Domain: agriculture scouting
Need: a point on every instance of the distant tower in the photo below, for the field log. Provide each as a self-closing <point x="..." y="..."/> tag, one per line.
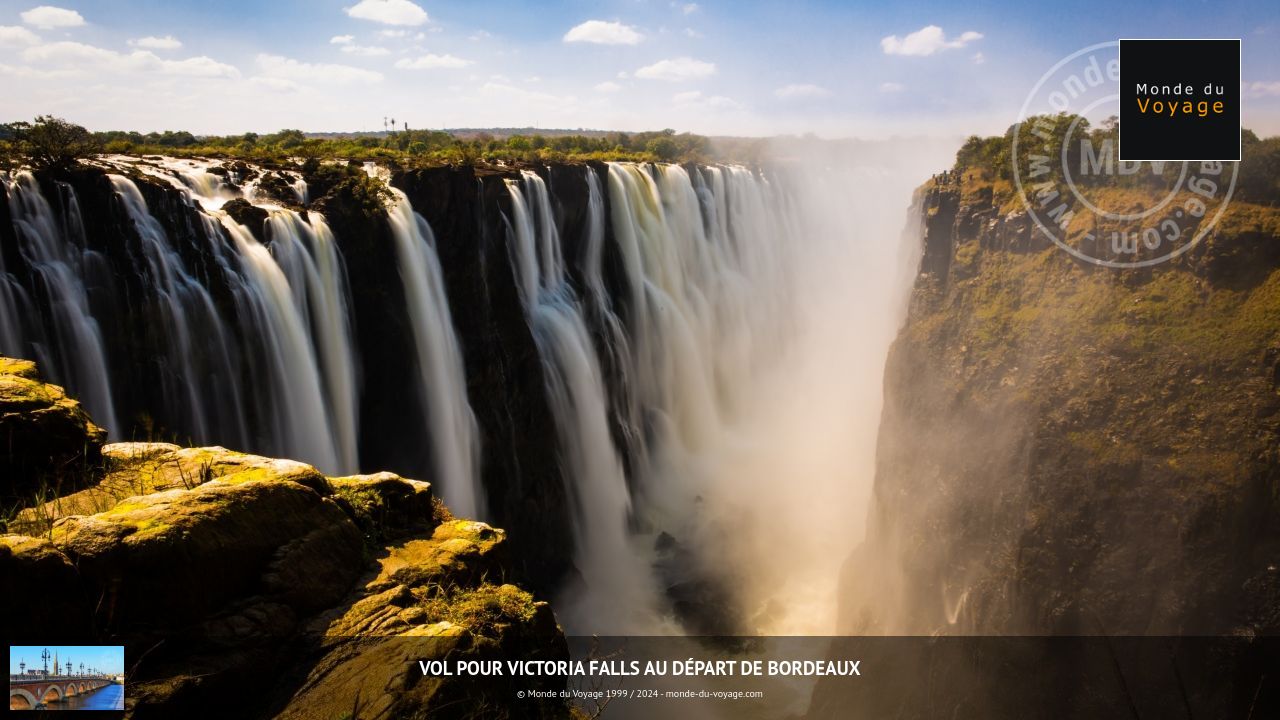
<point x="55" y="663"/>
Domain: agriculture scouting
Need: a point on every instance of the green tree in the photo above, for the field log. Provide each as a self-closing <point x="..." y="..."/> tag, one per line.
<point x="664" y="148"/>
<point x="54" y="143"/>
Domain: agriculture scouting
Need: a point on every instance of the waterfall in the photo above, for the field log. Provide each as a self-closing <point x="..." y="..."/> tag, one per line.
<point x="712" y="347"/>
<point x="57" y="254"/>
<point x="300" y="419"/>
<point x="297" y="297"/>
<point x="198" y="374"/>
<point x="441" y="381"/>
<point x="309" y="258"/>
<point x="617" y="594"/>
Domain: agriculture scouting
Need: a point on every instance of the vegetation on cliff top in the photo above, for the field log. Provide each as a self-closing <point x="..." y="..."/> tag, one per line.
<point x="52" y="142"/>
<point x="989" y="160"/>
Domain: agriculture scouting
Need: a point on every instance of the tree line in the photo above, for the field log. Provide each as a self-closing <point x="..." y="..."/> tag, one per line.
<point x="53" y="142"/>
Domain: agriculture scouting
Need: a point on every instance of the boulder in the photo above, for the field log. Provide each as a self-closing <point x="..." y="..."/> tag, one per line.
<point x="187" y="554"/>
<point x="47" y="441"/>
<point x="386" y="505"/>
<point x="140" y="468"/>
<point x="431" y="598"/>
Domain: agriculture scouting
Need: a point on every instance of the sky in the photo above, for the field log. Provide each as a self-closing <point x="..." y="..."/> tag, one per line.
<point x="837" y="69"/>
<point x="107" y="658"/>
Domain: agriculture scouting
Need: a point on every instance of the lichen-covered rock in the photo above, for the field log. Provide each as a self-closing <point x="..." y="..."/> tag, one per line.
<point x="254" y="587"/>
<point x="385" y="504"/>
<point x="139" y="468"/>
<point x="429" y="599"/>
<point x="47" y="441"/>
<point x="186" y="554"/>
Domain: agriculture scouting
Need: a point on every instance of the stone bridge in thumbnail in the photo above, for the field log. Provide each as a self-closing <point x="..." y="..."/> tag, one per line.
<point x="27" y="693"/>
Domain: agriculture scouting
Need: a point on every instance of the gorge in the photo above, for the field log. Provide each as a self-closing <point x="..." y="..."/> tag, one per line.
<point x="584" y="354"/>
<point x="664" y="383"/>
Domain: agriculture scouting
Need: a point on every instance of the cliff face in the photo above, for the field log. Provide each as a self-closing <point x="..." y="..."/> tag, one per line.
<point x="1075" y="450"/>
<point x="260" y="588"/>
<point x="1067" y="450"/>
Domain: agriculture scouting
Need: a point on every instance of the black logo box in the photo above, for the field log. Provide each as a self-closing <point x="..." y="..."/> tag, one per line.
<point x="1185" y="64"/>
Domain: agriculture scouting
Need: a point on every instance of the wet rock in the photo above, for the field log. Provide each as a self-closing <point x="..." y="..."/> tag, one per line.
<point x="252" y="217"/>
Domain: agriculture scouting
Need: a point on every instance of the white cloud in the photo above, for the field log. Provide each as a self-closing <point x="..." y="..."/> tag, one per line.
<point x="393" y="33"/>
<point x="677" y="70"/>
<point x="47" y="17"/>
<point x="78" y="56"/>
<point x="690" y="32"/>
<point x="389" y="12"/>
<point x="14" y="35"/>
<point x="199" y="66"/>
<point x="365" y="50"/>
<point x="479" y="35"/>
<point x="520" y="96"/>
<point x="1259" y="89"/>
<point x="800" y="91"/>
<point x="431" y="61"/>
<point x="890" y="88"/>
<point x="979" y="58"/>
<point x="715" y="102"/>
<point x="926" y="41"/>
<point x="689" y="8"/>
<point x="168" y="42"/>
<point x="341" y="39"/>
<point x="278" y="66"/>
<point x="603" y="32"/>
<point x="608" y="86"/>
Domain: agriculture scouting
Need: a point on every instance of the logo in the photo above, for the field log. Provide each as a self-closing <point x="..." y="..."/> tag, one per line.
<point x="1098" y="208"/>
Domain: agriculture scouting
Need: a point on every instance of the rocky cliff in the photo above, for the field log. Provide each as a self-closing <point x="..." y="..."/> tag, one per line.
<point x="1069" y="450"/>
<point x="252" y="587"/>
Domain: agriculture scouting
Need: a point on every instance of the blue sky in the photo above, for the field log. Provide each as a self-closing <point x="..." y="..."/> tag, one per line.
<point x="861" y="69"/>
<point x="107" y="658"/>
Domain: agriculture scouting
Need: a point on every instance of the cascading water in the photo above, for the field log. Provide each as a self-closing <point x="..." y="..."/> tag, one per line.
<point x="309" y="258"/>
<point x="617" y="592"/>
<point x="300" y="421"/>
<point x="297" y="297"/>
<point x="196" y="381"/>
<point x="441" y="381"/>
<point x="55" y="251"/>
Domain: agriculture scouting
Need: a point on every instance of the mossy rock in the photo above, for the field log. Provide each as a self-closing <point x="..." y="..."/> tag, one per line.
<point x="459" y="552"/>
<point x="48" y="443"/>
<point x="385" y="505"/>
<point x="138" y="468"/>
<point x="188" y="554"/>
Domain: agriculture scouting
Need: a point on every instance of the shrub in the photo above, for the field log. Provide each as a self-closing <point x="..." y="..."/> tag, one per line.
<point x="54" y="143"/>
